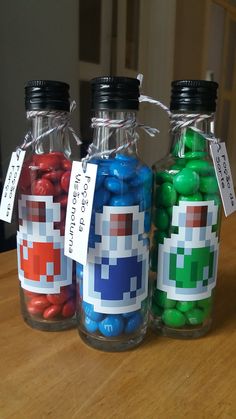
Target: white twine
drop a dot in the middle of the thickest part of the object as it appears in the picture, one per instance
(61, 120)
(183, 120)
(177, 121)
(126, 124)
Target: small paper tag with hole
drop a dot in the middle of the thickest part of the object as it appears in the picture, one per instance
(10, 185)
(79, 211)
(224, 177)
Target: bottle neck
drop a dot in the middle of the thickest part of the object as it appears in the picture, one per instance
(56, 140)
(179, 135)
(108, 138)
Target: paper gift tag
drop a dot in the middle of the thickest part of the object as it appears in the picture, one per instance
(79, 211)
(224, 177)
(10, 185)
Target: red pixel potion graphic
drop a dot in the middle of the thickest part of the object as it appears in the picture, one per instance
(42, 265)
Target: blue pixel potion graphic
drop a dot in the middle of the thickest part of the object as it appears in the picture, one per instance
(115, 279)
(187, 261)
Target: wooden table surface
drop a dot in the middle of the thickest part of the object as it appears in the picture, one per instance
(55, 375)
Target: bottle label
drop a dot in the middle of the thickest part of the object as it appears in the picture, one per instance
(115, 278)
(224, 177)
(187, 261)
(79, 210)
(42, 266)
(10, 185)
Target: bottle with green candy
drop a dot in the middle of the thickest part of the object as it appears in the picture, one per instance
(186, 217)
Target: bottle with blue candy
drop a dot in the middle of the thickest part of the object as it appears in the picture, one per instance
(186, 217)
(112, 308)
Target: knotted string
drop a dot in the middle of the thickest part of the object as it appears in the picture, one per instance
(62, 122)
(132, 136)
(177, 122)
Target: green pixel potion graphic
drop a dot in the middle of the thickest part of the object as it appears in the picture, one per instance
(187, 261)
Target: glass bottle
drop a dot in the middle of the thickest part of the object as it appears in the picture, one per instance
(47, 281)
(112, 309)
(186, 217)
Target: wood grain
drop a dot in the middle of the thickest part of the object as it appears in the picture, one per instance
(55, 375)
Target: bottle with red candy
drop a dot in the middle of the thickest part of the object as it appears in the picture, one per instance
(47, 287)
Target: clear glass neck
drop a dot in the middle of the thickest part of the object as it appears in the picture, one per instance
(57, 140)
(107, 138)
(178, 143)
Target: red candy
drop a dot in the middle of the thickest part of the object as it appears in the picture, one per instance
(62, 200)
(68, 309)
(34, 311)
(49, 175)
(42, 187)
(52, 311)
(53, 176)
(47, 162)
(57, 189)
(66, 164)
(31, 294)
(58, 298)
(65, 181)
(39, 303)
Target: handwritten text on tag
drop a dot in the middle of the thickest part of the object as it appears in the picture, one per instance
(224, 177)
(79, 210)
(10, 185)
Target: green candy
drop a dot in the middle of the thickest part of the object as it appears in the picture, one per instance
(164, 176)
(202, 167)
(194, 141)
(173, 318)
(206, 305)
(184, 306)
(156, 310)
(212, 197)
(208, 185)
(160, 298)
(166, 195)
(169, 211)
(161, 219)
(180, 162)
(195, 316)
(174, 230)
(159, 236)
(195, 197)
(195, 155)
(186, 182)
(207, 302)
(175, 168)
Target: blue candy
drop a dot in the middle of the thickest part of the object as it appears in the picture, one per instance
(101, 197)
(122, 200)
(126, 158)
(127, 315)
(137, 194)
(89, 311)
(123, 168)
(133, 322)
(90, 325)
(102, 171)
(147, 221)
(79, 270)
(116, 185)
(111, 326)
(146, 201)
(143, 175)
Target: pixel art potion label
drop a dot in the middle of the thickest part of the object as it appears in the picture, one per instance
(42, 266)
(187, 261)
(115, 278)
